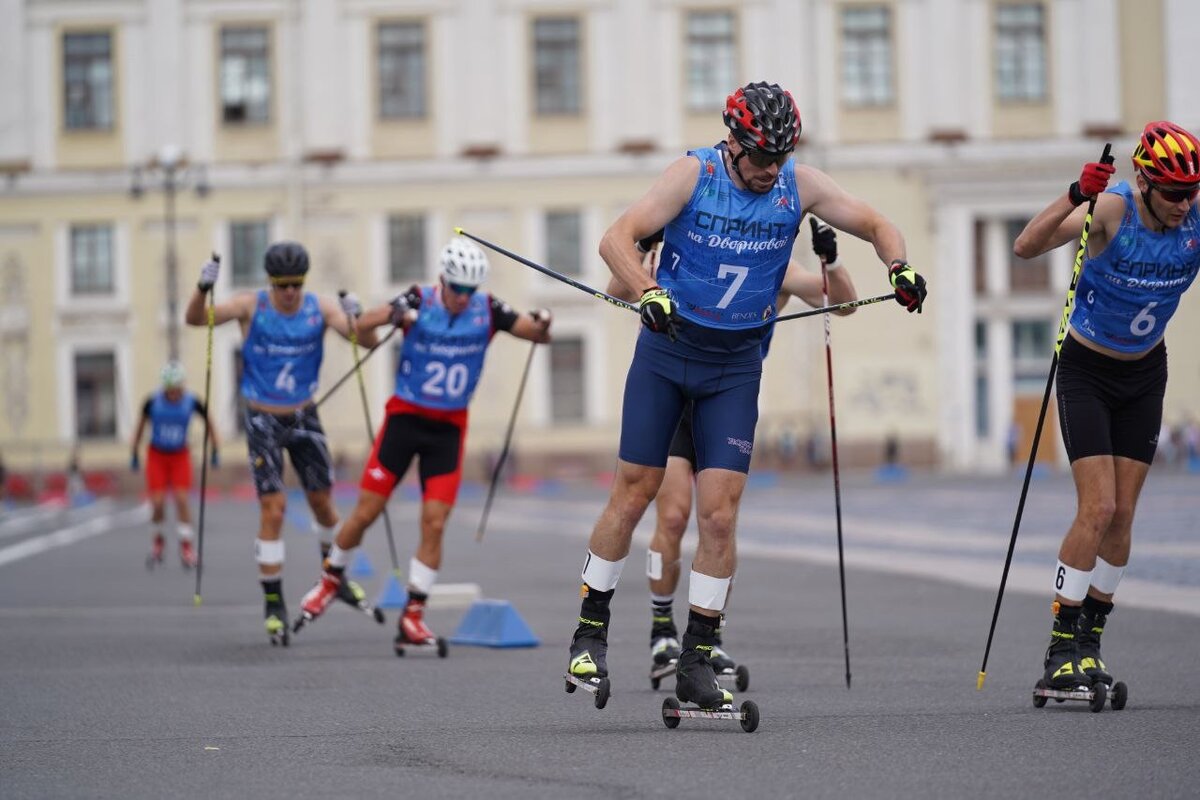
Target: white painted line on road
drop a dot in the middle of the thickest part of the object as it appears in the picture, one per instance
(73, 534)
(46, 514)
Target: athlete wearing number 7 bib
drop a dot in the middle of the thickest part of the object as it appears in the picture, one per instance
(1143, 251)
(448, 328)
(283, 331)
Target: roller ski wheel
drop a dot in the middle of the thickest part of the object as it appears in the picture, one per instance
(155, 558)
(739, 675)
(353, 595)
(598, 687)
(1095, 696)
(277, 630)
(187, 556)
(746, 714)
(660, 671)
(438, 644)
(1118, 696)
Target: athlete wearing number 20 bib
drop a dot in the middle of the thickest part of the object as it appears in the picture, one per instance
(442, 356)
(723, 261)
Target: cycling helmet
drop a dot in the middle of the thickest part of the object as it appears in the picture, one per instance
(286, 260)
(763, 118)
(172, 375)
(1167, 154)
(463, 262)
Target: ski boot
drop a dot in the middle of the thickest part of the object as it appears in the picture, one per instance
(696, 682)
(187, 554)
(588, 667)
(1064, 678)
(276, 621)
(413, 632)
(1091, 626)
(727, 669)
(333, 586)
(156, 551)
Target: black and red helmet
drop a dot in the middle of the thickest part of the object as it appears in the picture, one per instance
(763, 118)
(1167, 154)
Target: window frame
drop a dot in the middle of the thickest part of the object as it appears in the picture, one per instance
(74, 289)
(420, 253)
(93, 123)
(1020, 40)
(420, 84)
(572, 104)
(252, 279)
(696, 49)
(867, 60)
(224, 53)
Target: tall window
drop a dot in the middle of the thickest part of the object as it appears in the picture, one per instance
(87, 81)
(982, 407)
(406, 248)
(867, 56)
(567, 380)
(1033, 340)
(710, 59)
(558, 82)
(248, 244)
(91, 259)
(401, 70)
(95, 395)
(564, 243)
(1025, 274)
(245, 75)
(1020, 52)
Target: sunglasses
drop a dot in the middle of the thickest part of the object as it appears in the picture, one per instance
(764, 160)
(460, 289)
(287, 283)
(1178, 195)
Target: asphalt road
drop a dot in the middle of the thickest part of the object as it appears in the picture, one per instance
(114, 685)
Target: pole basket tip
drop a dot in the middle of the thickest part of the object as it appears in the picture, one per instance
(459, 231)
(979, 681)
(196, 600)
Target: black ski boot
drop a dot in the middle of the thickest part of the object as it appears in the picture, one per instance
(589, 647)
(1063, 670)
(695, 679)
(1091, 626)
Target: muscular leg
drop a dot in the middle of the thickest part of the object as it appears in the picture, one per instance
(434, 514)
(718, 493)
(1116, 540)
(321, 503)
(270, 526)
(1096, 492)
(674, 506)
(370, 505)
(157, 506)
(633, 488)
(183, 514)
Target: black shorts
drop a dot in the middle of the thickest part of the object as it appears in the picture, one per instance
(683, 445)
(302, 436)
(1109, 407)
(436, 438)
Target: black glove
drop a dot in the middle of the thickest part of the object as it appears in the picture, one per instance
(909, 285)
(824, 241)
(658, 312)
(647, 244)
(409, 300)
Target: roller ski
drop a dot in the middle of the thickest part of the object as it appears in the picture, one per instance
(696, 683)
(664, 655)
(156, 552)
(187, 555)
(276, 621)
(332, 587)
(414, 633)
(728, 670)
(1065, 677)
(588, 667)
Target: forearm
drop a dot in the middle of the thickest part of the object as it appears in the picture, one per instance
(1041, 234)
(195, 313)
(625, 264)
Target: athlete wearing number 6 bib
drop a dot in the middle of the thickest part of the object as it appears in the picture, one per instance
(730, 215)
(1143, 253)
(447, 330)
(283, 331)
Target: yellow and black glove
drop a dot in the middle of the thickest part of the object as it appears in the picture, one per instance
(909, 285)
(658, 312)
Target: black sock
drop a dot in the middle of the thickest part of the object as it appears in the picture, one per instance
(1096, 608)
(417, 597)
(701, 625)
(273, 586)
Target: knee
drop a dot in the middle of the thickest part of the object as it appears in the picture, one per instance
(272, 514)
(672, 520)
(1098, 514)
(1122, 519)
(718, 525)
(433, 523)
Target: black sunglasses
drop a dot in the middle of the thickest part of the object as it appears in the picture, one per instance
(1178, 195)
(764, 160)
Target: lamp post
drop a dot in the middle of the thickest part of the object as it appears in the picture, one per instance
(173, 173)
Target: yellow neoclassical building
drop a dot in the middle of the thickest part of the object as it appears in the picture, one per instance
(131, 130)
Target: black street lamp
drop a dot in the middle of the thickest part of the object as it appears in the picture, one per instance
(174, 172)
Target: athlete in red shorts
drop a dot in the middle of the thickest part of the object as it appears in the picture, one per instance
(439, 367)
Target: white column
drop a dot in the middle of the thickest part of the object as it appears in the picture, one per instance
(1181, 19)
(955, 334)
(15, 65)
(322, 40)
(976, 67)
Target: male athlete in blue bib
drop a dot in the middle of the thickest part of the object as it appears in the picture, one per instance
(169, 413)
(731, 216)
(283, 331)
(1143, 253)
(448, 328)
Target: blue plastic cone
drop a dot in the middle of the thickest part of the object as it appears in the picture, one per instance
(494, 623)
(361, 566)
(393, 595)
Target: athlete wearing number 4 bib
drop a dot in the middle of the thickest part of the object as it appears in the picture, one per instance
(283, 332)
(447, 330)
(731, 216)
(1143, 253)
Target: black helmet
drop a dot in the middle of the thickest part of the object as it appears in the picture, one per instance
(763, 118)
(286, 259)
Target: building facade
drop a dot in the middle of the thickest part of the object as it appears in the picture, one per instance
(369, 129)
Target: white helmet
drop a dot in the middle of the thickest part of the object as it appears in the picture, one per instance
(463, 262)
(172, 374)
